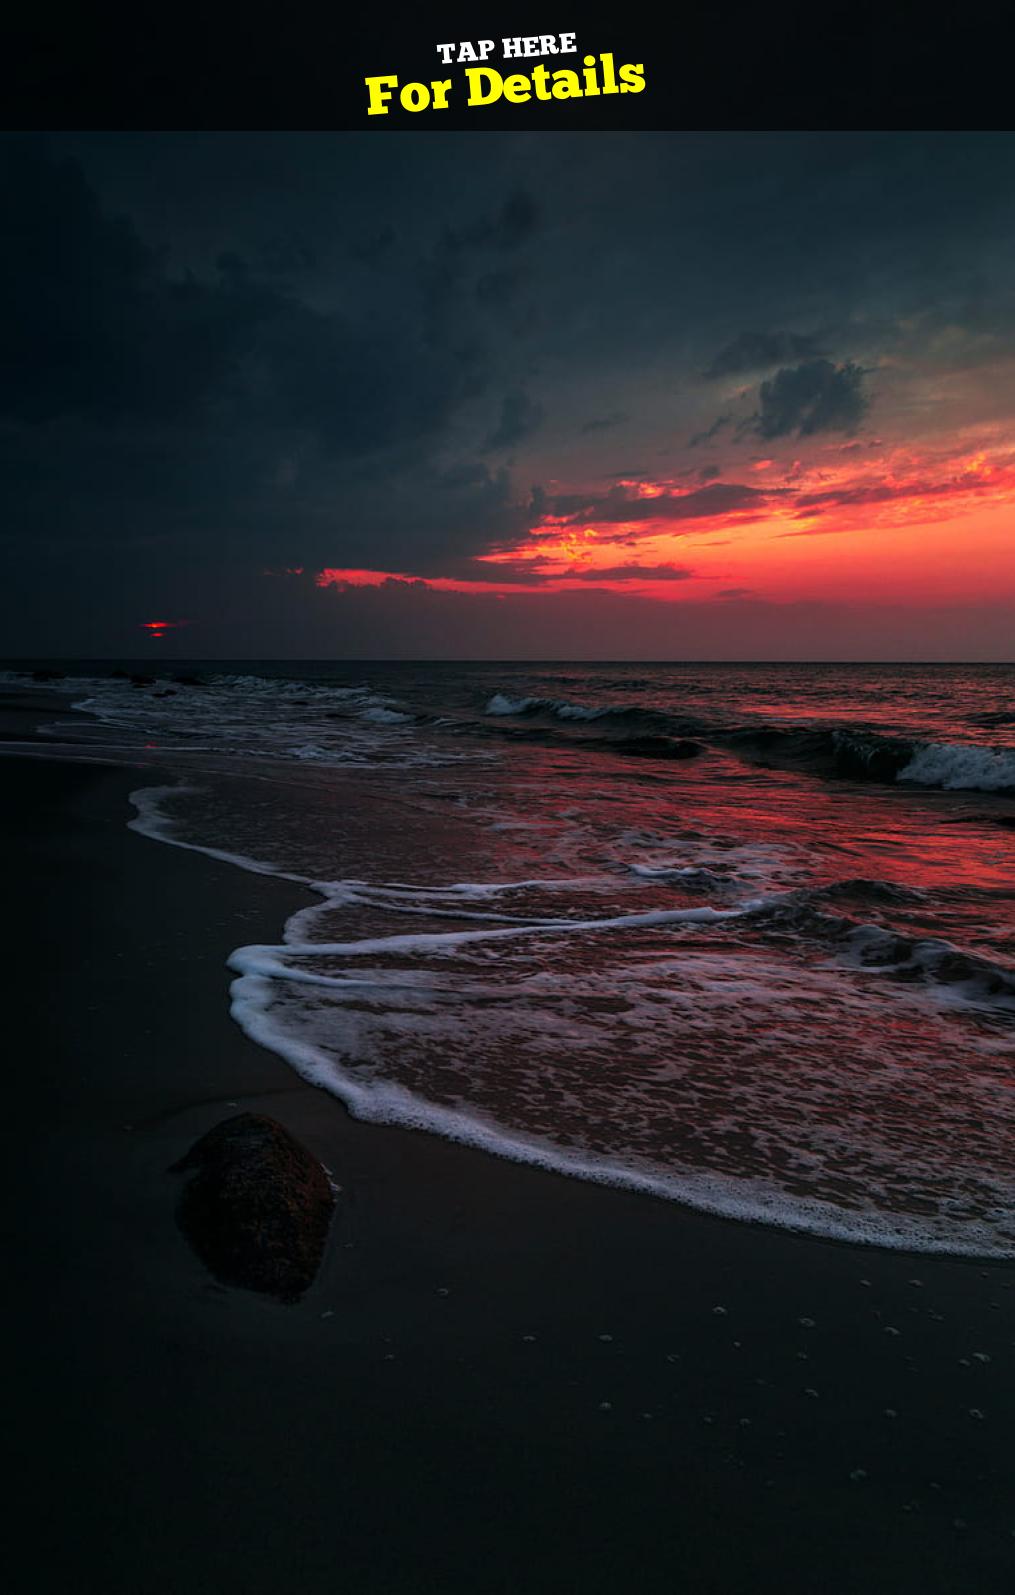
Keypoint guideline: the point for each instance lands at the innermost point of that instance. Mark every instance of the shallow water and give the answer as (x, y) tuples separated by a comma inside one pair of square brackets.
[(772, 975)]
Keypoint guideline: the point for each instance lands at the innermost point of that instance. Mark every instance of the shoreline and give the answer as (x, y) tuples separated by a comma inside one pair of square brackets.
[(503, 1378)]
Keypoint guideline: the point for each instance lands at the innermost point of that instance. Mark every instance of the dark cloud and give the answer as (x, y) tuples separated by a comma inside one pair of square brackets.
[(499, 288), (666, 573), (873, 493), (224, 353), (375, 246), (759, 351), (175, 421), (465, 265), (720, 498), (520, 416), (810, 398), (513, 224), (918, 488), (603, 423), (91, 323), (95, 326), (710, 432), (464, 473)]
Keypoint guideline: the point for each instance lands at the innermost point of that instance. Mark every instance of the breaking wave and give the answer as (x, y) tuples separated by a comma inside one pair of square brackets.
[(844, 752)]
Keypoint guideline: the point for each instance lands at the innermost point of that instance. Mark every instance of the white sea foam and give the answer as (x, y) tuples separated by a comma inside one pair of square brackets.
[(635, 1029), (578, 711), (382, 715), (448, 942), (152, 821), (256, 717), (962, 767), (378, 1101), (500, 703)]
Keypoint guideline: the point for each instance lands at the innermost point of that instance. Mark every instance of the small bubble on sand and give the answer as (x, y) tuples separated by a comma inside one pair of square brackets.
[(745, 1423), (606, 1406), (917, 1282), (811, 1392), (720, 1312), (606, 1337), (890, 1329), (857, 1474), (528, 1337), (974, 1412), (807, 1323), (442, 1290), (330, 1313), (890, 1412), (981, 1356)]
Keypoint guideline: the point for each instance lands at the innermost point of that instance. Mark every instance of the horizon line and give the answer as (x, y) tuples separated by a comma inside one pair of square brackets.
[(372, 659)]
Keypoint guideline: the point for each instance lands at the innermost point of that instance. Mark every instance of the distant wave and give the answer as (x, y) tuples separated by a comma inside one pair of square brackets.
[(844, 752), (868, 756), (562, 709)]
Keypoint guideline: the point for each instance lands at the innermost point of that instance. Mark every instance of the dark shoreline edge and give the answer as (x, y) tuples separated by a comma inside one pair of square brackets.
[(503, 1379)]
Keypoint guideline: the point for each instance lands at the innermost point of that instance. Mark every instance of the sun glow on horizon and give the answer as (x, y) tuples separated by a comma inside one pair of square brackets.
[(158, 628), (906, 527)]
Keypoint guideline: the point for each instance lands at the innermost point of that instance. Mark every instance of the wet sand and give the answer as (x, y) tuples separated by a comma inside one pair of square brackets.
[(503, 1379)]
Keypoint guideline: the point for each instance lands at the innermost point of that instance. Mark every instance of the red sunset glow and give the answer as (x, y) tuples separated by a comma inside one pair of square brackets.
[(822, 528), (158, 628), (689, 398)]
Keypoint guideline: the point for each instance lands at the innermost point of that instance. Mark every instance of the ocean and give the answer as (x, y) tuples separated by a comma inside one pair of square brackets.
[(739, 935)]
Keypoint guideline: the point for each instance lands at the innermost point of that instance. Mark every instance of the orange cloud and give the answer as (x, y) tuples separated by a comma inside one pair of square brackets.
[(908, 527)]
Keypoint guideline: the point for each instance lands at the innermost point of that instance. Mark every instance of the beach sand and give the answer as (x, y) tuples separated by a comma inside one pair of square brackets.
[(503, 1379)]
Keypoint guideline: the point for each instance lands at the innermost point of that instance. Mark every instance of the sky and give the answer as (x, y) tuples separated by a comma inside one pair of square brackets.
[(484, 395)]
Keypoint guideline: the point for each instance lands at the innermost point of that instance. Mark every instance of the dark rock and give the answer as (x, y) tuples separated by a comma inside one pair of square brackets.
[(257, 1207), (48, 675), (142, 681)]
